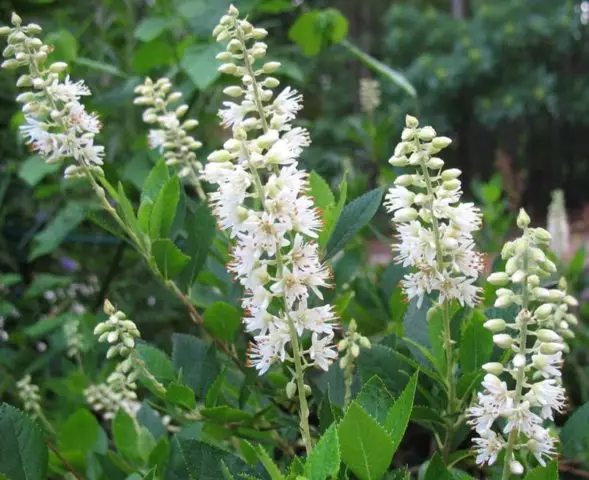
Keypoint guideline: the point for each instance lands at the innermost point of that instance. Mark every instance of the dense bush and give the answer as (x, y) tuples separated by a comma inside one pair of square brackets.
[(165, 310)]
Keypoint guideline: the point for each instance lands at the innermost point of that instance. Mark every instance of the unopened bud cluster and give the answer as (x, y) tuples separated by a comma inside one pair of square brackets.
[(262, 201), (350, 345), (369, 94), (558, 225), (118, 331), (518, 413), (119, 389), (57, 125), (435, 228), (171, 137), (73, 338), (28, 392)]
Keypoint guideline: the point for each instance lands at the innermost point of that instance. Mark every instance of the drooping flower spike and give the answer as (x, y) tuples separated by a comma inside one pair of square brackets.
[(57, 126), (435, 228), (512, 418)]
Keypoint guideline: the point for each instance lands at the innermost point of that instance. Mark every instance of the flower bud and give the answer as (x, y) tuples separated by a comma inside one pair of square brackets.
[(542, 235), (411, 122), (495, 325), (503, 340), (291, 389), (551, 348), (495, 368), (519, 360), (544, 310), (518, 276), (15, 19), (435, 163), (365, 342), (498, 279), (219, 156), (503, 301), (571, 301), (426, 133), (407, 134), (451, 184), (441, 142), (58, 67), (401, 161), (516, 467), (404, 180), (523, 219), (355, 350), (228, 68), (271, 67), (546, 335), (5, 30), (108, 307), (404, 215)]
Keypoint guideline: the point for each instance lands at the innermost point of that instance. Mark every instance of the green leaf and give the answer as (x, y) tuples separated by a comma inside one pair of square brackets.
[(436, 470), (45, 325), (388, 365), (365, 446), (126, 436), (200, 227), (226, 414), (148, 418), (182, 395), (324, 461), (106, 222), (332, 214), (23, 453), (269, 465), (396, 77), (306, 32), (156, 53), (168, 257), (78, 435), (34, 169), (337, 24), (197, 361), (320, 191), (157, 178), (158, 458), (399, 414), (577, 264), (574, 436), (55, 232), (9, 279), (100, 67), (212, 396), (355, 215), (375, 399), (145, 444), (65, 45), (223, 320), (164, 209), (549, 472), (156, 362), (150, 28), (125, 209), (476, 344), (200, 64), (194, 460)]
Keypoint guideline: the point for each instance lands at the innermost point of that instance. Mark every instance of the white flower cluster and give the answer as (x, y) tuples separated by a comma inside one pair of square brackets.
[(118, 331), (520, 411), (435, 228), (119, 389), (369, 94), (73, 337), (29, 394), (171, 137), (57, 125), (558, 225), (261, 200)]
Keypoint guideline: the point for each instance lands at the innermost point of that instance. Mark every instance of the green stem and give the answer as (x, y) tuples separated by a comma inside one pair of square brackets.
[(521, 370), (447, 332)]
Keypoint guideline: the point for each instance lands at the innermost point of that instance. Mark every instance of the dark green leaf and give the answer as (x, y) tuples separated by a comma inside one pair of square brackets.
[(324, 461), (375, 399), (436, 470), (168, 257), (222, 320), (197, 361), (365, 446), (182, 395), (476, 344), (65, 45), (269, 465), (155, 181), (153, 27), (126, 436), (384, 362), (79, 435), (226, 414), (200, 64), (549, 472), (574, 436), (156, 362), (23, 453), (398, 415), (34, 169), (354, 216), (164, 209), (55, 232)]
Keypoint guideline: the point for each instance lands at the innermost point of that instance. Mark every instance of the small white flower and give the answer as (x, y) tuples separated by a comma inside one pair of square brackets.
[(487, 447), (322, 351)]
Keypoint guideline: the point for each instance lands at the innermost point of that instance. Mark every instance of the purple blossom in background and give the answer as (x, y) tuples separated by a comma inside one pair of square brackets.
[(68, 264)]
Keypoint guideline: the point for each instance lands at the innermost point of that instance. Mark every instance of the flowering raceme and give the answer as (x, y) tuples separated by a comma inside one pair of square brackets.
[(57, 125), (261, 201), (520, 410), (435, 228)]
